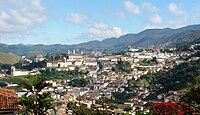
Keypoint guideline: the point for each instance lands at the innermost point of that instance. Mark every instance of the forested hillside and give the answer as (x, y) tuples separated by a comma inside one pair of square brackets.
[(176, 78)]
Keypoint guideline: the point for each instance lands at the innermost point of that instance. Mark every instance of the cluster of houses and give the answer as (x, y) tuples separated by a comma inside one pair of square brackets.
[(71, 62), (72, 59), (105, 81)]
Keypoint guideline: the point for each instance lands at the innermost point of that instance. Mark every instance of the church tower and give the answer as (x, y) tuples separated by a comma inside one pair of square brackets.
[(12, 70)]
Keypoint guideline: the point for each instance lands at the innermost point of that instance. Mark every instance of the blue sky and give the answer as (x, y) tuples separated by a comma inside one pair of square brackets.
[(77, 21)]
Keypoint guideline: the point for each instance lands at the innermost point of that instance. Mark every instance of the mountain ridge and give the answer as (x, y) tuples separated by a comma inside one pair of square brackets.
[(149, 37)]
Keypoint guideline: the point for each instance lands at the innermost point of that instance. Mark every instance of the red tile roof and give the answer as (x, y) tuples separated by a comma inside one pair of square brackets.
[(8, 98)]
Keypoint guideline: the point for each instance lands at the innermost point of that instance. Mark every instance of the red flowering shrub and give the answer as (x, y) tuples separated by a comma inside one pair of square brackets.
[(171, 108)]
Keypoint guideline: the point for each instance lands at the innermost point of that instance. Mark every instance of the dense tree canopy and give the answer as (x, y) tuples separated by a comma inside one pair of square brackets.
[(79, 82), (3, 84), (39, 64), (54, 74), (121, 97), (122, 66), (175, 78)]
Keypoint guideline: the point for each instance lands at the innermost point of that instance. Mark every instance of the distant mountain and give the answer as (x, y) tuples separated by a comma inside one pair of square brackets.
[(150, 37), (8, 58)]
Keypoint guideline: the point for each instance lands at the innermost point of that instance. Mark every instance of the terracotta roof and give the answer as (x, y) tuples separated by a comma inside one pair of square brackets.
[(22, 70), (55, 61), (8, 98)]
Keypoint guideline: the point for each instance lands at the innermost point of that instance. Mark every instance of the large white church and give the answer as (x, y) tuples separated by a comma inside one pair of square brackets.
[(20, 72)]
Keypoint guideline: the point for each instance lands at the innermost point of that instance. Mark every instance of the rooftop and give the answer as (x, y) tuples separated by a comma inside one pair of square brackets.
[(8, 98)]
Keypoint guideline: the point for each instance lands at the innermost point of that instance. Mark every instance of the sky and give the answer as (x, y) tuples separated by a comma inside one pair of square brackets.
[(76, 21)]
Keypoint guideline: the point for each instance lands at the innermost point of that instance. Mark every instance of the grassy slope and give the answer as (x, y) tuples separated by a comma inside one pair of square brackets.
[(8, 58)]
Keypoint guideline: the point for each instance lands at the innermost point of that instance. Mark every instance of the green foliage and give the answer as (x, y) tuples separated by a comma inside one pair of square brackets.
[(82, 82), (197, 47), (18, 65), (196, 54), (142, 113), (15, 80), (105, 100), (5, 66), (121, 97), (184, 47), (122, 66), (175, 78), (3, 84), (31, 66), (127, 108), (132, 85), (193, 95), (146, 63), (53, 74), (35, 102)]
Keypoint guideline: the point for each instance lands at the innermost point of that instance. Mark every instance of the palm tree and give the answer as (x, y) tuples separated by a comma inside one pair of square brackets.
[(36, 101)]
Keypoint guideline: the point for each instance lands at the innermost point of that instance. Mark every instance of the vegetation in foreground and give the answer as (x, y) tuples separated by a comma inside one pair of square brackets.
[(35, 101)]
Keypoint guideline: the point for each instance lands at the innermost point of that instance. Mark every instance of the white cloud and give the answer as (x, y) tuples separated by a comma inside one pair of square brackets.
[(155, 19), (174, 9), (177, 24), (101, 31), (149, 7), (20, 15), (121, 15), (132, 7), (150, 26), (181, 18), (168, 23), (76, 18)]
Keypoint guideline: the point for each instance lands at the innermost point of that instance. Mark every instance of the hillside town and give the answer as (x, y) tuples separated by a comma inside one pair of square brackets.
[(106, 82), (99, 57)]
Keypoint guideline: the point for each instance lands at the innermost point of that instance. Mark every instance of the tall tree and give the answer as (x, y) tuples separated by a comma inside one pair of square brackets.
[(36, 101)]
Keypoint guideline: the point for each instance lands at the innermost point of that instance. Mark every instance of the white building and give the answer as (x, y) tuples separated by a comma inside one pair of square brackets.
[(76, 92), (90, 63), (20, 72), (78, 63), (17, 72), (141, 57), (39, 58), (133, 49), (73, 57), (59, 63)]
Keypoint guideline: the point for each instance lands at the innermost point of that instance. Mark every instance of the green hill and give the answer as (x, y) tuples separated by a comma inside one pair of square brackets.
[(8, 58)]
